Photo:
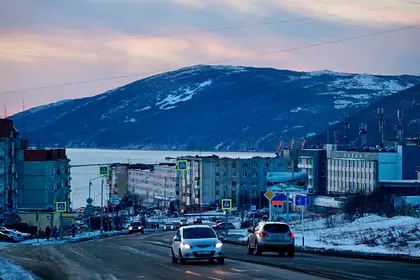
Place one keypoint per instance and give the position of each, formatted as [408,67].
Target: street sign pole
[226,224]
[61,225]
[287,205]
[303,229]
[90,209]
[102,206]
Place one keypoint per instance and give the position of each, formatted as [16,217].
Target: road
[131,257]
[336,267]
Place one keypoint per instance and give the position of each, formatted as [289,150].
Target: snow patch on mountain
[369,82]
[327,72]
[47,106]
[185,95]
[130,120]
[143,109]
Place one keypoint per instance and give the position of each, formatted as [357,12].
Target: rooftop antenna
[399,125]
[381,125]
[23,119]
[363,134]
[346,127]
[5,112]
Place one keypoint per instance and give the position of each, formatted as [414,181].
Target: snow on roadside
[9,271]
[370,234]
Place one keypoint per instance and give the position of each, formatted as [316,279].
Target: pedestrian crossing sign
[226,204]
[182,165]
[61,206]
[104,170]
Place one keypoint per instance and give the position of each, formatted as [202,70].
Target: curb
[87,238]
[347,254]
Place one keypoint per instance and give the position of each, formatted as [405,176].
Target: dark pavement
[131,257]
[335,267]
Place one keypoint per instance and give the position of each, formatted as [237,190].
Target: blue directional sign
[226,204]
[253,208]
[61,206]
[182,165]
[302,200]
[104,170]
[281,197]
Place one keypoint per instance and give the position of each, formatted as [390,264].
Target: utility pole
[346,127]
[90,205]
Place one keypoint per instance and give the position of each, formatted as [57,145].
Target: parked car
[183,223]
[271,237]
[222,227]
[197,242]
[15,235]
[136,227]
[198,221]
[168,226]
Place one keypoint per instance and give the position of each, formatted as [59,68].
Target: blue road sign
[103,170]
[302,200]
[226,204]
[182,165]
[281,197]
[253,208]
[61,206]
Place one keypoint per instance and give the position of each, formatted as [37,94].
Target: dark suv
[136,227]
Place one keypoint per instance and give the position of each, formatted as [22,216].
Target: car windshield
[136,224]
[168,225]
[195,233]
[277,228]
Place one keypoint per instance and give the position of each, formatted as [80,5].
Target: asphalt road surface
[327,266]
[131,257]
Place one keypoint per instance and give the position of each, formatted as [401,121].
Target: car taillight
[262,234]
[292,235]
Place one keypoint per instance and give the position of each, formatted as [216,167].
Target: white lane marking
[238,270]
[192,273]
[392,278]
[213,278]
[77,253]
[167,266]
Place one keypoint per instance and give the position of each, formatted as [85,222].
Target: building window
[244,174]
[234,174]
[217,174]
[254,192]
[217,192]
[254,174]
[254,183]
[225,174]
[217,183]
[254,164]
[217,165]
[233,165]
[243,183]
[279,164]
[267,164]
[233,183]
[244,164]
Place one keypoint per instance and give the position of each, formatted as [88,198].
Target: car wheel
[174,259]
[291,251]
[281,253]
[221,260]
[142,232]
[211,260]
[181,260]
[258,250]
[250,250]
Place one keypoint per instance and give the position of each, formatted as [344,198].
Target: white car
[197,242]
[168,226]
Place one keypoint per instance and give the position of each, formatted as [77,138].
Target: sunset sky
[55,42]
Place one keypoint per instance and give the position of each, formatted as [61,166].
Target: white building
[154,186]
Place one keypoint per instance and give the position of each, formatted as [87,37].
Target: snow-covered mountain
[210,108]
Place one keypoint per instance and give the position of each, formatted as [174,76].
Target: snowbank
[369,234]
[9,271]
[81,237]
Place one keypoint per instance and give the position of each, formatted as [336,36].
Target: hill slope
[408,100]
[209,108]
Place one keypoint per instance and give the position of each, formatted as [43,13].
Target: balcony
[302,165]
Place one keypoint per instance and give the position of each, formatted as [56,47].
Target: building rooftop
[6,127]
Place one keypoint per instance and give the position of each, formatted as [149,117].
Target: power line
[219,61]
[212,29]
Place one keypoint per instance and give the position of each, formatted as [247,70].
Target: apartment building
[43,179]
[8,172]
[314,163]
[210,179]
[156,186]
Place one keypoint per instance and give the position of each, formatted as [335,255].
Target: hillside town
[35,180]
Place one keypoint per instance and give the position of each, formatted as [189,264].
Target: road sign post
[302,201]
[61,206]
[226,205]
[269,195]
[253,210]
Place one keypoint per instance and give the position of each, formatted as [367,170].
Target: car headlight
[130,228]
[219,245]
[139,227]
[186,246]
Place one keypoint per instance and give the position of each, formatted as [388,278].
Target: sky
[51,43]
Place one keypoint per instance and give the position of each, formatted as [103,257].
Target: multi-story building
[241,179]
[156,186]
[8,171]
[314,162]
[353,171]
[43,178]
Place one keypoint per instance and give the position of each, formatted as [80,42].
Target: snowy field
[82,175]
[9,271]
[370,234]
